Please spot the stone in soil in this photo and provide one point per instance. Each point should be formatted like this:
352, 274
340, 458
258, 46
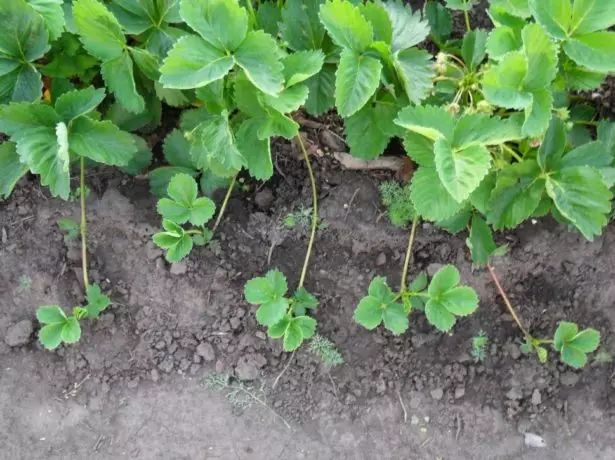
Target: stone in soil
437, 394
19, 334
569, 379
264, 199
536, 397
178, 268
206, 351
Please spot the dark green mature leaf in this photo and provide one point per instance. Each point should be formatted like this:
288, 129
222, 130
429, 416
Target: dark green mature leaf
301, 27
221, 23
24, 39
258, 57
11, 168
213, 144
439, 19
415, 69
17, 117
77, 103
474, 48
357, 79
99, 30
429, 121
408, 27
176, 149
146, 17
431, 199
302, 65
52, 13
346, 25
141, 159
101, 141
480, 242
321, 87
192, 63
118, 74
257, 152
582, 196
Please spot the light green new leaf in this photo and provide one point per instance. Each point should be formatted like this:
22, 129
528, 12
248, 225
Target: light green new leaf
573, 356
97, 301
380, 290
480, 242
582, 196
289, 100
588, 340
444, 280
50, 336
461, 170
52, 13
268, 292
302, 65
474, 48
258, 56
541, 55
518, 8
380, 306
415, 69
408, 27
439, 317
538, 113
71, 332
214, 143
51, 314
293, 337
193, 63
502, 82
503, 40
77, 103
183, 204
395, 318
377, 16
119, 77
257, 152
46, 154
429, 121
300, 26
101, 141
430, 198
596, 51
222, 23
554, 15
99, 31
346, 25
322, 91
303, 301
356, 80
11, 168
174, 240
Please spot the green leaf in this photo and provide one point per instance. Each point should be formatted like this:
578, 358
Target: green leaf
419, 148
408, 28
582, 197
593, 154
588, 340
183, 204
44, 150
460, 301
257, 152
439, 19
501, 83
553, 145
302, 65
431, 199
592, 15
461, 5
444, 280
481, 197
159, 178
307, 325
147, 17
119, 77
289, 100
480, 242
51, 335
395, 318
419, 284
596, 51
214, 144
573, 356
368, 131
346, 25
146, 62
192, 63
378, 17
503, 40
176, 242
474, 48
141, 159
293, 337
265, 289
222, 23
542, 354
439, 317
278, 329
368, 313
518, 8
258, 57
22, 84
77, 103
380, 290
52, 13
300, 26
71, 331
554, 15
99, 31
518, 192
304, 301
268, 17
479, 129
321, 91
429, 121
461, 171
52, 314
70, 227
415, 70
176, 149
11, 169
356, 80
97, 301
101, 141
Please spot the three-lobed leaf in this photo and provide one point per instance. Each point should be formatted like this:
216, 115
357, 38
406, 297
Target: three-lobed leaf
269, 293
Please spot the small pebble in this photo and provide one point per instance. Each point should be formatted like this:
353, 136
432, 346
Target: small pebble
437, 394
536, 397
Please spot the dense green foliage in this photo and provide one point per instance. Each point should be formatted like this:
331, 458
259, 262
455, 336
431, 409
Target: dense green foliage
489, 121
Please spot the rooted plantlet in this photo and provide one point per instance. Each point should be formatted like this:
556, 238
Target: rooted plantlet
479, 346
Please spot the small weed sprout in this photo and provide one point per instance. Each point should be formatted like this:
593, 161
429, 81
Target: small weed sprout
25, 282
324, 349
479, 346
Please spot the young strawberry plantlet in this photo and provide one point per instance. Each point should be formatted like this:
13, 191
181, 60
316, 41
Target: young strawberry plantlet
183, 206
572, 345
59, 328
285, 317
